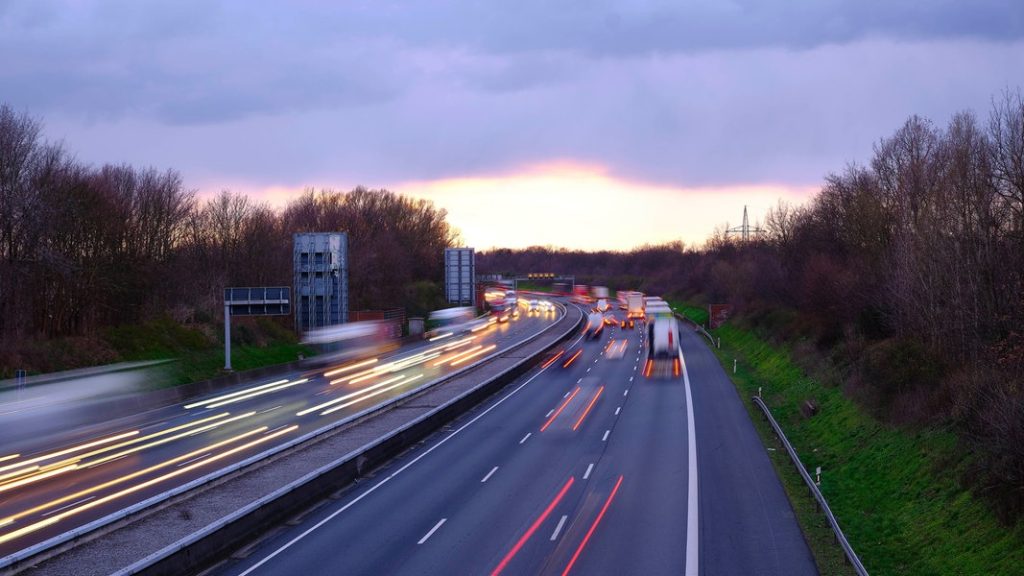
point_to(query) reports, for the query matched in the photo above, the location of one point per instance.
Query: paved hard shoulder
(747, 523)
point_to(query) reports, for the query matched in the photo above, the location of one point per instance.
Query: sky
(584, 124)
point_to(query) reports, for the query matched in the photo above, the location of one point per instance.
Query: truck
(341, 343)
(452, 321)
(581, 294)
(599, 292)
(635, 306)
(594, 326)
(663, 359)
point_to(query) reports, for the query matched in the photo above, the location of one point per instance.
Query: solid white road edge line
(692, 500)
(372, 489)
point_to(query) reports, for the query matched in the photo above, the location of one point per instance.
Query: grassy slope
(198, 357)
(894, 491)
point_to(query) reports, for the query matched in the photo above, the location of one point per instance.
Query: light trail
(42, 475)
(344, 369)
(572, 358)
(185, 434)
(100, 501)
(560, 408)
(233, 394)
(440, 337)
(368, 396)
(553, 359)
(19, 472)
(71, 450)
(457, 356)
(587, 410)
(351, 395)
(136, 474)
(533, 528)
(593, 527)
(474, 354)
(259, 393)
(80, 457)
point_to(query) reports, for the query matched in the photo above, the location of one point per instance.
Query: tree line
(906, 271)
(83, 247)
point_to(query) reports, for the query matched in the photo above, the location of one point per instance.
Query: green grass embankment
(199, 354)
(895, 491)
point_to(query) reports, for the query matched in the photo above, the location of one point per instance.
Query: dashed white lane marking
(197, 458)
(489, 474)
(626, 393)
(376, 486)
(558, 529)
(69, 505)
(590, 468)
(550, 412)
(617, 410)
(630, 378)
(578, 381)
(528, 434)
(432, 530)
(606, 433)
(567, 393)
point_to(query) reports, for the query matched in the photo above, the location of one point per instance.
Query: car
(533, 307)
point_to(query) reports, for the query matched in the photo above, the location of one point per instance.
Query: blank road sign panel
(267, 301)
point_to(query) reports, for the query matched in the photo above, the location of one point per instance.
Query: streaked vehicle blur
(453, 321)
(594, 326)
(344, 342)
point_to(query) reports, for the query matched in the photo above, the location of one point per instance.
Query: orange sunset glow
(576, 205)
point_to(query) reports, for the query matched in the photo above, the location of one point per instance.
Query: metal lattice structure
(745, 230)
(459, 276)
(320, 263)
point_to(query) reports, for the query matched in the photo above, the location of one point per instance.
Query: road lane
(485, 521)
(253, 420)
(579, 469)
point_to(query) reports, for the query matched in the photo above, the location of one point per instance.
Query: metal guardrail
(64, 541)
(840, 538)
(152, 559)
(700, 328)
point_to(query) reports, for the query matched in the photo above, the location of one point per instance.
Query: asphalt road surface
(581, 467)
(55, 476)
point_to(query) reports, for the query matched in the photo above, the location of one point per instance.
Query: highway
(54, 478)
(581, 466)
